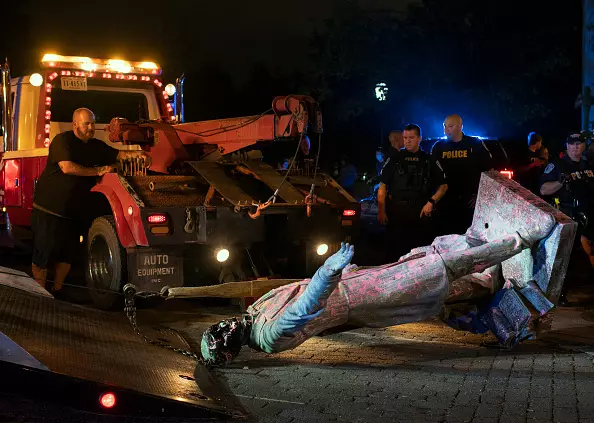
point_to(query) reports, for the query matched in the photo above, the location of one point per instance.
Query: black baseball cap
(579, 137)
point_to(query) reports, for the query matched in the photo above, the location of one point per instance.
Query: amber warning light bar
(99, 65)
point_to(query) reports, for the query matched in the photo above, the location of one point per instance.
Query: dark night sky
(176, 33)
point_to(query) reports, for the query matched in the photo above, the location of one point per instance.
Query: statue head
(222, 342)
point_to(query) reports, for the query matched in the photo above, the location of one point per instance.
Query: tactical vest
(411, 178)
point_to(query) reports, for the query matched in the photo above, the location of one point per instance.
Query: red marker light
(508, 173)
(349, 212)
(107, 400)
(157, 218)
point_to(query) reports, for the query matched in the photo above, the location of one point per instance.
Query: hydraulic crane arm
(290, 117)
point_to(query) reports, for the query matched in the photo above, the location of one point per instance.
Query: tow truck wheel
(106, 264)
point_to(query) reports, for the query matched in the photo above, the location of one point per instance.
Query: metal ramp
(102, 347)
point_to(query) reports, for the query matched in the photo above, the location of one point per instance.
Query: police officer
(463, 159)
(404, 200)
(570, 182)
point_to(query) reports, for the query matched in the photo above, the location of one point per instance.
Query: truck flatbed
(90, 345)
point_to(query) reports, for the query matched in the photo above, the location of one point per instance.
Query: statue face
(222, 342)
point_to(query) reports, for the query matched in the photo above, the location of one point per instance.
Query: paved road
(421, 373)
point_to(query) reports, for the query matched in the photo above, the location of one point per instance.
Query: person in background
(530, 165)
(570, 182)
(396, 142)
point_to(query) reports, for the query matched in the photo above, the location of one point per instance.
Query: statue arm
(311, 303)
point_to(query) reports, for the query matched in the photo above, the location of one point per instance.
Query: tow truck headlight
(322, 249)
(222, 255)
(36, 80)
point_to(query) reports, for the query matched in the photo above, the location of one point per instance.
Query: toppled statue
(413, 289)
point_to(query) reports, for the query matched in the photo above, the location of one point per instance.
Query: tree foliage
(506, 64)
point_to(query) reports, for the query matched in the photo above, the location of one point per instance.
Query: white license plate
(74, 83)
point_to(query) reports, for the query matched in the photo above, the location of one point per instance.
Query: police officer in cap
(570, 182)
(405, 203)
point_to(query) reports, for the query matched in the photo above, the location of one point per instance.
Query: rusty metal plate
(214, 174)
(274, 180)
(173, 196)
(102, 347)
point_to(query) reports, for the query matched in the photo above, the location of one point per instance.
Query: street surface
(423, 372)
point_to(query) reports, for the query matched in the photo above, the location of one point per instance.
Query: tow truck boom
(290, 119)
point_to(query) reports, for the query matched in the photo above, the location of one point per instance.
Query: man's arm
(551, 180)
(381, 204)
(385, 178)
(428, 208)
(71, 168)
(525, 168)
(438, 177)
(440, 193)
(549, 188)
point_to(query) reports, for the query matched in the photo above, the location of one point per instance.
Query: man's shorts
(55, 239)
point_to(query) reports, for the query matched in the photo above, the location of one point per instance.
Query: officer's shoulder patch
(549, 168)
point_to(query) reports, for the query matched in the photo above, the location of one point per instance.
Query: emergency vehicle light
(91, 65)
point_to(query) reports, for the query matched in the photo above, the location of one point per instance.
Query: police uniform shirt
(579, 184)
(463, 162)
(62, 194)
(407, 174)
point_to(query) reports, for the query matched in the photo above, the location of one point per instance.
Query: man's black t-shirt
(408, 176)
(463, 162)
(529, 178)
(65, 194)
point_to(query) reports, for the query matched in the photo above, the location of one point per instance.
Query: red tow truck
(209, 209)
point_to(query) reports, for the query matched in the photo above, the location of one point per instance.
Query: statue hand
(338, 261)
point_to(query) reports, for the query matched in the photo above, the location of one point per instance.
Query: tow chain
(130, 309)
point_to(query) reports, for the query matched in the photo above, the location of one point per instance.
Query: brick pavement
(416, 373)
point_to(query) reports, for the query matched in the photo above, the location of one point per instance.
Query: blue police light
(381, 91)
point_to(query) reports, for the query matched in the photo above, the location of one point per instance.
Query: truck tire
(106, 264)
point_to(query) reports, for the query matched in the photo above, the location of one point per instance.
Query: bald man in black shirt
(74, 163)
(463, 159)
